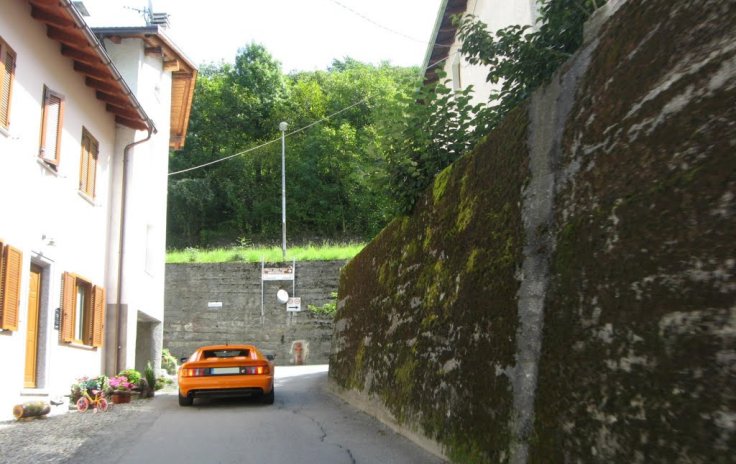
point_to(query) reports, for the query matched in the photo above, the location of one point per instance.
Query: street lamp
(282, 128)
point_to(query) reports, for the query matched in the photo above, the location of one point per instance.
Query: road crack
(323, 438)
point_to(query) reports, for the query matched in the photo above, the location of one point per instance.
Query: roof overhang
(183, 72)
(443, 36)
(65, 25)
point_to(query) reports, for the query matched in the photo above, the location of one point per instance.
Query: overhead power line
(225, 158)
(376, 23)
(301, 129)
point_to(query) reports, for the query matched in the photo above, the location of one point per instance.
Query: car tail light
(256, 370)
(193, 372)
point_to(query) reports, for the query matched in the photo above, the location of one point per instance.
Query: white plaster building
(443, 50)
(87, 119)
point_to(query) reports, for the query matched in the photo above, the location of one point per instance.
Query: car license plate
(225, 370)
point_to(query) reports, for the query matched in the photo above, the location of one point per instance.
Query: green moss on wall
(634, 333)
(440, 310)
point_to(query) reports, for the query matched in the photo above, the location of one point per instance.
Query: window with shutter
(82, 311)
(10, 275)
(7, 72)
(51, 124)
(88, 164)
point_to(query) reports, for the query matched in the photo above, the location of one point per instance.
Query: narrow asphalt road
(306, 425)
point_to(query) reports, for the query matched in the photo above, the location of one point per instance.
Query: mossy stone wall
(427, 309)
(638, 356)
(581, 306)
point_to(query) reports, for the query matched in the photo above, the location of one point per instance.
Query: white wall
(37, 202)
(496, 14)
(145, 232)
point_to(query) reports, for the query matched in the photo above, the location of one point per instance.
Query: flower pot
(120, 397)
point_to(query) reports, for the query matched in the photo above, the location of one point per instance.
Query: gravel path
(57, 438)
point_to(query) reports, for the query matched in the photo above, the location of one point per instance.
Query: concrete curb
(375, 408)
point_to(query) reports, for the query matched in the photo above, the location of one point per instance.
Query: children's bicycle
(98, 401)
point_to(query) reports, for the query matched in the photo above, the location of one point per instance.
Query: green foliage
(519, 58)
(327, 309)
(310, 252)
(335, 170)
(132, 375)
(163, 382)
(148, 383)
(168, 362)
(440, 124)
(86, 383)
(437, 129)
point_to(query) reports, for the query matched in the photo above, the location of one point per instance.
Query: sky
(303, 35)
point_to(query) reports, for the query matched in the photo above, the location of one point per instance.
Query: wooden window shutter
(98, 316)
(88, 164)
(84, 164)
(2, 266)
(67, 307)
(7, 70)
(12, 263)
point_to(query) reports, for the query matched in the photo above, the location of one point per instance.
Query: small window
(51, 123)
(83, 311)
(7, 72)
(88, 164)
(457, 84)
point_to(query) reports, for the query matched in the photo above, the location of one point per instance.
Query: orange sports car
(226, 370)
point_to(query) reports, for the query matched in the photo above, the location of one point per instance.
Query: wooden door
(34, 306)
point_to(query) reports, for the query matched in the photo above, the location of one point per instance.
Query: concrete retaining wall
(567, 291)
(190, 323)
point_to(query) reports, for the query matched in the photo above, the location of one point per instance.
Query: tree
(440, 125)
(336, 167)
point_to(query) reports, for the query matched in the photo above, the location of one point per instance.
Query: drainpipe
(121, 245)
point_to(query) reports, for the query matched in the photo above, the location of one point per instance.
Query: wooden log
(31, 409)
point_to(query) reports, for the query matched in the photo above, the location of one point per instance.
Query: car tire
(268, 398)
(185, 400)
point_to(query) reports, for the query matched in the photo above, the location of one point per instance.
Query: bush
(133, 376)
(162, 382)
(168, 362)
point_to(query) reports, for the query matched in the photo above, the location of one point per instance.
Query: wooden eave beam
(454, 10)
(171, 65)
(112, 99)
(154, 51)
(103, 86)
(49, 17)
(67, 36)
(79, 55)
(137, 124)
(91, 71)
(119, 111)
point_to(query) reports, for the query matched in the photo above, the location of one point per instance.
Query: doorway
(30, 379)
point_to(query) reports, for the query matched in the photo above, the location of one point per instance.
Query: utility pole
(282, 128)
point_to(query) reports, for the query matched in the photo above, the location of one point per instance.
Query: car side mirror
(270, 357)
(183, 359)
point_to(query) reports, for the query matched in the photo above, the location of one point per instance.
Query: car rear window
(208, 354)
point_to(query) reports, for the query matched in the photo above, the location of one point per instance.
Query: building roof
(65, 25)
(183, 72)
(443, 37)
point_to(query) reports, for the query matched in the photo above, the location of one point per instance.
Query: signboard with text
(278, 273)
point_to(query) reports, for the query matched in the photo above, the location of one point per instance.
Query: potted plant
(120, 389)
(90, 385)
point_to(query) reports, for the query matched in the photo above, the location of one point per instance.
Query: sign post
(277, 274)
